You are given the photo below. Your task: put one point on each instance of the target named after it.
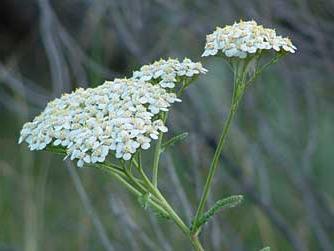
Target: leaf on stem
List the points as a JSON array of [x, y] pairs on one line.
[[265, 249], [225, 203], [178, 138]]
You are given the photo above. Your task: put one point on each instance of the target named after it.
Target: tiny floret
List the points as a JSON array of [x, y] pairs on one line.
[[118, 116], [169, 72], [244, 38]]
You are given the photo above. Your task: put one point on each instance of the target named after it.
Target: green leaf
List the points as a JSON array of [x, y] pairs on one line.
[[225, 203], [56, 149], [178, 138], [265, 249]]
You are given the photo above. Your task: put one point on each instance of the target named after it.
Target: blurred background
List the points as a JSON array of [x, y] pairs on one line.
[[279, 153]]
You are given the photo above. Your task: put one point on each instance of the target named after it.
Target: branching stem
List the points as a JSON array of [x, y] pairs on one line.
[[164, 204], [129, 186]]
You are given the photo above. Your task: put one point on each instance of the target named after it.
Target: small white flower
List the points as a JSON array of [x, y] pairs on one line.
[[154, 135], [127, 156], [159, 125]]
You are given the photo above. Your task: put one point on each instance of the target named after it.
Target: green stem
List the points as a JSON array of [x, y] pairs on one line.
[[121, 172], [157, 153], [129, 186], [163, 202], [196, 243], [214, 164], [134, 180], [138, 184], [110, 168], [178, 221], [263, 67], [160, 204]]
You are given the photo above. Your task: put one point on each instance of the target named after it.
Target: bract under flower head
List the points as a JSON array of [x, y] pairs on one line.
[[169, 72], [118, 116], [244, 38]]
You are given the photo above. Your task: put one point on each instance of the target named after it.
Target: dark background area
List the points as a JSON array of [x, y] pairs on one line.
[[279, 154]]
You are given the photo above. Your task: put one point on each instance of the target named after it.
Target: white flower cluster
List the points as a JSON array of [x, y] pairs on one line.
[[118, 116], [169, 72], [240, 39]]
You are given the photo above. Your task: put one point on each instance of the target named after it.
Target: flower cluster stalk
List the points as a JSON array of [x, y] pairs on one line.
[[236, 96]]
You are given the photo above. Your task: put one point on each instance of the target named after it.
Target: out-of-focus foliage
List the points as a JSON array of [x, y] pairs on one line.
[[279, 154]]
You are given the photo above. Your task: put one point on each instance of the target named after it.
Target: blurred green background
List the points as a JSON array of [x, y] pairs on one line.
[[279, 153]]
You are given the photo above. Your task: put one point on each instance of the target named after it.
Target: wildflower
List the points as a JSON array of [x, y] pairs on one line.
[[117, 116], [243, 39], [169, 72]]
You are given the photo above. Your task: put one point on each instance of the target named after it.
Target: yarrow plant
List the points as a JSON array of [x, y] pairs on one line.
[[109, 127]]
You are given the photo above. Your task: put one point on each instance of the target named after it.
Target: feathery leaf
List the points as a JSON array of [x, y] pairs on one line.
[[225, 203], [174, 141]]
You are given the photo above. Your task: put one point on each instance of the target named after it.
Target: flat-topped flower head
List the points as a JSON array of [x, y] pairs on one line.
[[169, 72], [243, 39], [118, 116]]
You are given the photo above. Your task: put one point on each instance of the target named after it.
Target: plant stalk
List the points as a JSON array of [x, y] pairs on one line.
[[196, 243], [131, 188], [238, 82], [163, 202]]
